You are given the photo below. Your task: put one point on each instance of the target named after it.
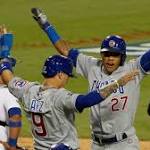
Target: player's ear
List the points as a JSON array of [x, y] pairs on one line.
[[60, 75]]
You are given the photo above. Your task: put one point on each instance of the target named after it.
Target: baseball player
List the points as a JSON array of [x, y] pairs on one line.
[[50, 107], [112, 120], [10, 111]]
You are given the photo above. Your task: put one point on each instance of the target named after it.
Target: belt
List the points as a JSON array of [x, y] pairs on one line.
[[103, 141], [60, 146], [2, 123]]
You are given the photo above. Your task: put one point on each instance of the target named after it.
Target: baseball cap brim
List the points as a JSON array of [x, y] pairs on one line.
[[114, 50]]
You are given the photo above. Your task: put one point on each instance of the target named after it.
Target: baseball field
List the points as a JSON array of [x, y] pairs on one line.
[[83, 23]]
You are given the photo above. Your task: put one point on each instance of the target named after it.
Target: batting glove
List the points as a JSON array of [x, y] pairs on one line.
[[39, 16]]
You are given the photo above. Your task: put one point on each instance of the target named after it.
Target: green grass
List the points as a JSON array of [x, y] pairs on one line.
[[76, 20], [84, 19]]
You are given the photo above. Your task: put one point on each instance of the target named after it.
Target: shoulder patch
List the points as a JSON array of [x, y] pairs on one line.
[[20, 83]]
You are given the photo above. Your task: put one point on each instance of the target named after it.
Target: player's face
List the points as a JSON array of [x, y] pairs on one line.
[[111, 61]]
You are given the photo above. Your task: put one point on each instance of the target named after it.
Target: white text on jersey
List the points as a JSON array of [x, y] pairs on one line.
[[97, 85], [36, 105]]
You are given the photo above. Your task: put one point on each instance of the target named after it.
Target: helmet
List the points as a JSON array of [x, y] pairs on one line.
[[56, 64], [116, 44]]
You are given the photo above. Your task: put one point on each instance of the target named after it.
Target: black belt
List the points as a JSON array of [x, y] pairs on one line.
[[103, 141], [2, 123]]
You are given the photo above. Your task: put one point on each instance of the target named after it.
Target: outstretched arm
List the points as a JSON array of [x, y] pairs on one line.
[[60, 44], [95, 97]]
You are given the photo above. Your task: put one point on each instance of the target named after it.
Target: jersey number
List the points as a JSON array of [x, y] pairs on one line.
[[115, 103], [37, 120]]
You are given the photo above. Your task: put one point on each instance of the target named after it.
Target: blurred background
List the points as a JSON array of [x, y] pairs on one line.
[[83, 23]]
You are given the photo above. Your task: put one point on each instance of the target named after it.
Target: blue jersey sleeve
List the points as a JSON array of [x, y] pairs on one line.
[[145, 61], [6, 41], [84, 101], [73, 54], [51, 32]]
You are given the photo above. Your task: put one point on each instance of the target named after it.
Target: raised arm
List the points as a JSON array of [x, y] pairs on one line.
[[14, 113], [60, 44], [7, 62]]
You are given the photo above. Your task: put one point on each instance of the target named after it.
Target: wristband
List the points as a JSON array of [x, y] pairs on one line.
[[51, 32], [14, 111], [14, 124], [7, 41], [12, 142], [4, 66], [117, 83]]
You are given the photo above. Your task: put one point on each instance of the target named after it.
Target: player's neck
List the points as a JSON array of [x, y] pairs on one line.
[[51, 83]]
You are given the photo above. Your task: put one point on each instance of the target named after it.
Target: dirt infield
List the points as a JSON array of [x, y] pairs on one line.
[[84, 144]]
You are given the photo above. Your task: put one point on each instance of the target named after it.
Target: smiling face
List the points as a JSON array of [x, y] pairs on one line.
[[111, 61]]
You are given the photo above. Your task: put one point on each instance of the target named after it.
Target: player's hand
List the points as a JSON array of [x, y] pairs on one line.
[[3, 29], [128, 77], [39, 16], [7, 147], [148, 109], [18, 147]]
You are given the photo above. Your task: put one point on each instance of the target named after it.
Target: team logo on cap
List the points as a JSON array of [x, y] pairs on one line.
[[112, 43]]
